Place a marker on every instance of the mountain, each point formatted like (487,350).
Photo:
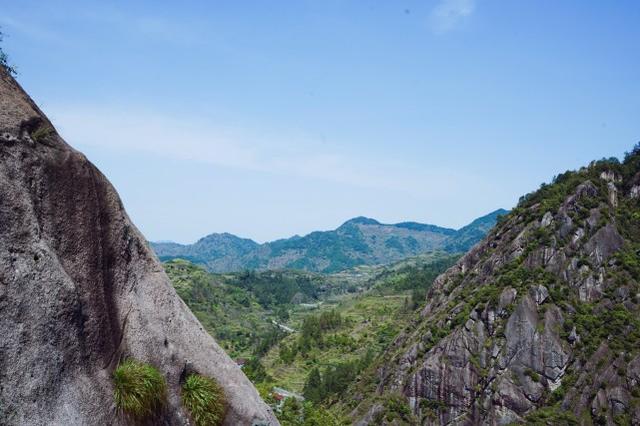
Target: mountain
(537,324)
(220,252)
(468,236)
(82,297)
(359,241)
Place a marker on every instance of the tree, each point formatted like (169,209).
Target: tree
(313,387)
(292,413)
(255,371)
(287,353)
(318,416)
(4,59)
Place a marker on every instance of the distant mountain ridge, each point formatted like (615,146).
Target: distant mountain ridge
(358,241)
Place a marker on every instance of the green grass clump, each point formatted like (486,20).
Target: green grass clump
(41,133)
(140,388)
(204,399)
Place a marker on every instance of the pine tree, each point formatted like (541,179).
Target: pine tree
(313,390)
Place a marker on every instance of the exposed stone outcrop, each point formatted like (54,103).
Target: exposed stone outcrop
(80,290)
(511,328)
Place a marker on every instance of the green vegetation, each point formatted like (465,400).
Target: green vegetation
(274,289)
(552,415)
(204,400)
(411,276)
(294,413)
(334,380)
(43,132)
(592,304)
(616,325)
(357,242)
(367,324)
(4,59)
(396,410)
(550,196)
(532,375)
(229,313)
(139,389)
(315,326)
(341,323)
(339,342)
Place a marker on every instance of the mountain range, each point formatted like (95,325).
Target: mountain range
(359,241)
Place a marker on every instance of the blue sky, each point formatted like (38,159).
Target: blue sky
(268,119)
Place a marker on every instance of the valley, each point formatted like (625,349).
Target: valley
(286,326)
(532,315)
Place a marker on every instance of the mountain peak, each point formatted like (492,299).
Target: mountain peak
(358,241)
(361,220)
(224,236)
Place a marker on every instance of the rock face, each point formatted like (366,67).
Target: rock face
(538,322)
(80,290)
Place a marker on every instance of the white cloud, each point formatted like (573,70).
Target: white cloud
(140,130)
(449,14)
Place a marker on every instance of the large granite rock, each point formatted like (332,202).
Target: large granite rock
(80,290)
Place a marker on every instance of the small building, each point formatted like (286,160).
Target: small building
(281,395)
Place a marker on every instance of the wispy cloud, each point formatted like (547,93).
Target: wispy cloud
(153,27)
(449,14)
(139,130)
(34,31)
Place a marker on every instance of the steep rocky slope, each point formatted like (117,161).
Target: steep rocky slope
(359,241)
(539,323)
(80,290)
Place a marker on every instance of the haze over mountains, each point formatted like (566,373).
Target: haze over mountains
(359,241)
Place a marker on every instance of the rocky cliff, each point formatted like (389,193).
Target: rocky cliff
(539,323)
(80,291)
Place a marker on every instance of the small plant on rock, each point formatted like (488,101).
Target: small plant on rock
(41,133)
(4,60)
(140,389)
(204,399)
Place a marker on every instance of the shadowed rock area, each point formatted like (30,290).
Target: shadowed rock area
(80,291)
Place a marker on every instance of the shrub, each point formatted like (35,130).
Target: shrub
(204,399)
(552,415)
(140,389)
(41,133)
(532,375)
(4,60)
(396,410)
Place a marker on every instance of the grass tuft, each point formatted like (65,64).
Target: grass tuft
(204,399)
(41,133)
(140,389)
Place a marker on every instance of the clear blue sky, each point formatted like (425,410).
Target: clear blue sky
(267,119)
